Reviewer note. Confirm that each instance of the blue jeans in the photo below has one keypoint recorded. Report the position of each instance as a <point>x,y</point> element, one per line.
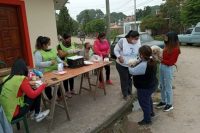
<point>146,103</point>
<point>166,78</point>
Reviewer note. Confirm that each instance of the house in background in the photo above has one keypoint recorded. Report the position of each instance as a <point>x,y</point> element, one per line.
<point>21,22</point>
<point>131,26</point>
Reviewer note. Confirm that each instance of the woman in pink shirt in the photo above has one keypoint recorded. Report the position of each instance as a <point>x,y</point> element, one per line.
<point>102,48</point>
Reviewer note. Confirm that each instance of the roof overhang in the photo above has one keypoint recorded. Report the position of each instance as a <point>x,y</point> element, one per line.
<point>58,4</point>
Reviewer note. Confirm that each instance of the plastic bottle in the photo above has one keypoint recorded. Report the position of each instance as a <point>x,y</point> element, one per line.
<point>101,59</point>
<point>38,73</point>
<point>60,67</point>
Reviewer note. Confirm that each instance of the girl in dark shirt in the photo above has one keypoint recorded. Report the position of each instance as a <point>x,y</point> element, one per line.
<point>144,78</point>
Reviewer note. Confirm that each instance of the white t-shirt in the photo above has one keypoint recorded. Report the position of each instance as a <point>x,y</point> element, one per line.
<point>126,50</point>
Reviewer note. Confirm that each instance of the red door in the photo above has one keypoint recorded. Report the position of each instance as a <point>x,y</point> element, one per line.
<point>11,44</point>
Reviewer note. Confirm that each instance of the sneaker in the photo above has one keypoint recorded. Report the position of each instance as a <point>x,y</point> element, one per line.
<point>73,92</point>
<point>160,105</point>
<point>152,114</point>
<point>39,117</point>
<point>68,94</point>
<point>143,122</point>
<point>109,82</point>
<point>127,98</point>
<point>168,108</point>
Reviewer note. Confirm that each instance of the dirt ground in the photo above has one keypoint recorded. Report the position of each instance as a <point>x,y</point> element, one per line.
<point>185,117</point>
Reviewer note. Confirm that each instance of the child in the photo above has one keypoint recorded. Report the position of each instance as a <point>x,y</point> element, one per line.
<point>87,51</point>
<point>145,81</point>
<point>170,55</point>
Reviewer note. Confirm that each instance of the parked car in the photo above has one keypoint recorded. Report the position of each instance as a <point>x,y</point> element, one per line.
<point>189,31</point>
<point>192,38</point>
<point>145,39</point>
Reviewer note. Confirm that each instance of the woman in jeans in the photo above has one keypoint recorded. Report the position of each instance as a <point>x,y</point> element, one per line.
<point>170,56</point>
<point>125,50</point>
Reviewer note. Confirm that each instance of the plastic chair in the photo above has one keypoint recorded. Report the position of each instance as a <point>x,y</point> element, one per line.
<point>17,122</point>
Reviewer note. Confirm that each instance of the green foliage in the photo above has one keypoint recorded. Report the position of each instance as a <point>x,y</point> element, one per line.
<point>140,14</point>
<point>114,33</point>
<point>96,25</point>
<point>190,12</point>
<point>65,23</point>
<point>159,37</point>
<point>171,12</point>
<point>153,22</point>
<point>115,17</point>
<point>87,15</point>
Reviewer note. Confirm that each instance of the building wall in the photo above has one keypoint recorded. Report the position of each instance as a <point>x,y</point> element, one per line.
<point>41,20</point>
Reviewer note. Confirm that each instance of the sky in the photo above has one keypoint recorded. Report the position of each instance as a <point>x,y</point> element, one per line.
<point>125,6</point>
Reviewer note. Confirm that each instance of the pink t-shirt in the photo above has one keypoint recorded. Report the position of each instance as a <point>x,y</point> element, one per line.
<point>101,48</point>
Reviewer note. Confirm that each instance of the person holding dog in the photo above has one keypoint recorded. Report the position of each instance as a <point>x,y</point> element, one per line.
<point>125,50</point>
<point>145,81</point>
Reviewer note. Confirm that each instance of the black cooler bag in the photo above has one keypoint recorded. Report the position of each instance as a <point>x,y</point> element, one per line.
<point>75,61</point>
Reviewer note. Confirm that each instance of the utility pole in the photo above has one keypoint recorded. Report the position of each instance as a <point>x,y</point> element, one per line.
<point>135,27</point>
<point>108,20</point>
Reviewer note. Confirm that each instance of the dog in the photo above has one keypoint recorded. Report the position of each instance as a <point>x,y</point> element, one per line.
<point>157,53</point>
<point>133,62</point>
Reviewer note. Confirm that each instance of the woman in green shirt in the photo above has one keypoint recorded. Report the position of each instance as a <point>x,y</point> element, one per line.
<point>46,59</point>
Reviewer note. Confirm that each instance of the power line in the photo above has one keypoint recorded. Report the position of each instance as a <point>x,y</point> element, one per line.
<point>123,5</point>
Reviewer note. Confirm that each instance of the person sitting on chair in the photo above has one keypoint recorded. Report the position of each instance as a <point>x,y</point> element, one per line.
<point>16,95</point>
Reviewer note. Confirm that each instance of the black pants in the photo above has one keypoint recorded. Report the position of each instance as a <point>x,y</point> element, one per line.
<point>107,68</point>
<point>30,104</point>
<point>125,80</point>
<point>71,85</point>
<point>146,103</point>
<point>48,90</point>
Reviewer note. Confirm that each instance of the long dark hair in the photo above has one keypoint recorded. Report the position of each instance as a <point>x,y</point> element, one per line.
<point>19,68</point>
<point>41,41</point>
<point>146,53</point>
<point>101,35</point>
<point>171,41</point>
<point>132,33</point>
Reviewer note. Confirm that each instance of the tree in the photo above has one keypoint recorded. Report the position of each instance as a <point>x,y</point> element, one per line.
<point>94,26</point>
<point>171,12</point>
<point>190,12</point>
<point>65,23</point>
<point>140,14</point>
<point>115,17</point>
<point>87,15</point>
<point>155,23</point>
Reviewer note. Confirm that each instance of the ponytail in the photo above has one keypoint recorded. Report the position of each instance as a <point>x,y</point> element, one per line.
<point>151,60</point>
<point>41,41</point>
